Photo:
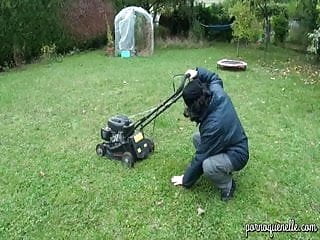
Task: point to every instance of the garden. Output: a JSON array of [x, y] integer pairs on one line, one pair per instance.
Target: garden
[[56, 94]]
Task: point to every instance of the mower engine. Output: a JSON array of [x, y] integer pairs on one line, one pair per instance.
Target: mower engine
[[123, 142]]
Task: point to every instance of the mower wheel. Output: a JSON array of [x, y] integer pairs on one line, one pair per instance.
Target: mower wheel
[[101, 150], [150, 144], [127, 159]]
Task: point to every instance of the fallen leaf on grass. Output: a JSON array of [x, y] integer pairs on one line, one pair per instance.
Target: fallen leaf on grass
[[158, 203], [200, 211]]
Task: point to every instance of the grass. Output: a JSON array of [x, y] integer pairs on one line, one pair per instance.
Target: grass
[[53, 186]]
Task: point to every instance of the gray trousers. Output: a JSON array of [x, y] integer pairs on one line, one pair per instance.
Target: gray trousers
[[218, 168]]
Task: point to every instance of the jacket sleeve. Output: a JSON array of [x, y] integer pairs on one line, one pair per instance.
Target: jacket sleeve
[[211, 144], [209, 77]]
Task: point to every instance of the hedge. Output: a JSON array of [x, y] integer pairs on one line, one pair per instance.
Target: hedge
[[28, 25]]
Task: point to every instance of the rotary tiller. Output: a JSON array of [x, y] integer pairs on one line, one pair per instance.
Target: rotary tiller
[[124, 140]]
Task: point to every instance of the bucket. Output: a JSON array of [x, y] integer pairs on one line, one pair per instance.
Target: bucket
[[125, 54]]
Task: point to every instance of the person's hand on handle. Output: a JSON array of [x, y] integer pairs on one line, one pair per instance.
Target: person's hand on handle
[[177, 180], [191, 73]]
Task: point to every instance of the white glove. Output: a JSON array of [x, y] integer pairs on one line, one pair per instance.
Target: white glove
[[193, 73], [177, 180]]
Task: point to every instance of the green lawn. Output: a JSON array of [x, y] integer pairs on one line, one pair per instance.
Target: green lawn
[[53, 186]]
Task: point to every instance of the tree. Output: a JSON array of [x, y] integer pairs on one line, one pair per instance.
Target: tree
[[246, 27], [280, 25], [308, 13], [154, 6], [314, 46], [266, 9]]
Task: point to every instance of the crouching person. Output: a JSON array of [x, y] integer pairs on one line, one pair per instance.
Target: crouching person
[[221, 143]]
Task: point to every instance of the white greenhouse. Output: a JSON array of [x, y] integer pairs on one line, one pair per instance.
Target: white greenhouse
[[134, 32]]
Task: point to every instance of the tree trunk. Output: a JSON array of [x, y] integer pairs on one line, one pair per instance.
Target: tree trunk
[[238, 46], [192, 12], [267, 31]]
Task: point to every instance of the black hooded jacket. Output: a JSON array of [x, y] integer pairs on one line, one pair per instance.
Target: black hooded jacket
[[220, 131]]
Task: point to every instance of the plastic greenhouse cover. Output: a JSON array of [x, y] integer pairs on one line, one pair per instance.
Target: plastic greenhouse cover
[[124, 28]]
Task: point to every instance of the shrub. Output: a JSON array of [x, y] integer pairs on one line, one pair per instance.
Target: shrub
[[214, 15], [297, 33], [27, 26], [177, 22], [281, 28], [197, 32], [161, 32], [314, 46], [184, 22], [49, 53], [246, 27]]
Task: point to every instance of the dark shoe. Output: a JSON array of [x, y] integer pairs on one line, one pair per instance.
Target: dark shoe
[[226, 195]]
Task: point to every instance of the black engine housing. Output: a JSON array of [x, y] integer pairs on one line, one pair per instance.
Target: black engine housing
[[122, 142]]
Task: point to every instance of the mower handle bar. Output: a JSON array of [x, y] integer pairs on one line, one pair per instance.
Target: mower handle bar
[[144, 121]]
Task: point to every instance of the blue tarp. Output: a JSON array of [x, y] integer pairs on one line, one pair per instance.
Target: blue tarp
[[218, 28]]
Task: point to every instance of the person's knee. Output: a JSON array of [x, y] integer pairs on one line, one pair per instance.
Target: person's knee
[[209, 167]]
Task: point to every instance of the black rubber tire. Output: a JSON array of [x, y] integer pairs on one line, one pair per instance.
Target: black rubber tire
[[127, 159], [101, 150]]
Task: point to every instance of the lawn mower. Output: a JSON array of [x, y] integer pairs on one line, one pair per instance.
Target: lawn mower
[[124, 140]]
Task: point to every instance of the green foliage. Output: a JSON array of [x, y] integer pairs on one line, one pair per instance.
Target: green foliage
[[110, 39], [318, 10], [264, 10], [27, 26], [49, 53], [180, 17], [215, 14], [297, 34], [156, 6], [308, 13], [197, 32], [161, 32], [229, 3], [281, 28], [314, 46], [186, 20], [292, 8], [246, 26]]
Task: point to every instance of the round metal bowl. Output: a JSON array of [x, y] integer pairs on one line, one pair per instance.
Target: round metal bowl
[[228, 64]]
